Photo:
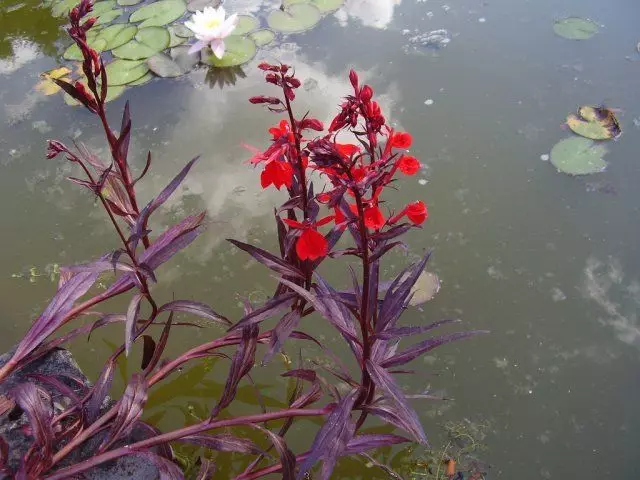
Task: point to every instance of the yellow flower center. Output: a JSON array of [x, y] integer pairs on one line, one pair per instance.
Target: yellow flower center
[[212, 23]]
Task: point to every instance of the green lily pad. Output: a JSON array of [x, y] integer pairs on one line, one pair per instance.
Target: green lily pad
[[262, 37], [596, 123], [578, 156], [102, 7], [162, 65], [63, 7], [148, 41], [575, 28], [113, 93], [128, 3], [246, 24], [181, 31], [74, 53], [325, 6], [239, 50], [159, 13], [174, 39], [117, 35], [147, 77], [109, 16], [295, 18], [122, 72], [182, 57]]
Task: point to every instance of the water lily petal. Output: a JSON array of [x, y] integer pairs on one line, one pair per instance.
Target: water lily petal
[[218, 47], [196, 47], [229, 25]]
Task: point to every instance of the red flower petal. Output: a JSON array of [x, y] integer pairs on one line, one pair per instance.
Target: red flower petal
[[347, 149], [277, 173], [401, 140], [373, 218], [293, 223], [409, 165], [339, 216], [417, 212], [311, 245]]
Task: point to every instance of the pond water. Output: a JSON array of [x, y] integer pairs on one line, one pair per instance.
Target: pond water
[[549, 263]]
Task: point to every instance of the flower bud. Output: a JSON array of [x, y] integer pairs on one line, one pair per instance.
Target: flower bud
[[312, 124], [268, 67], [353, 78], [272, 78], [263, 99], [293, 82], [89, 23], [54, 147], [366, 93]]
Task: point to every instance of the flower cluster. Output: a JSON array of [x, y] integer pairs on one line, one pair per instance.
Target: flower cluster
[[356, 175]]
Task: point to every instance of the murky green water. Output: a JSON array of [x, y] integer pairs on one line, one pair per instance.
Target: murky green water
[[548, 263]]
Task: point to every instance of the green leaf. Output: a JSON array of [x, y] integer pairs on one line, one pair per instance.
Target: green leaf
[[262, 37], [325, 6], [159, 13], [108, 17], [148, 41], [163, 66], [74, 53], [62, 8], [142, 80], [195, 5], [181, 31], [175, 40], [295, 18], [575, 28], [578, 156], [121, 72], [117, 35], [102, 7], [182, 57], [239, 50], [128, 3], [246, 24], [596, 123]]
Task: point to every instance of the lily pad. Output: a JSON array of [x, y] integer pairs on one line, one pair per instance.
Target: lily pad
[[596, 123], [262, 37], [117, 35], [63, 7], [295, 18], [196, 5], [148, 41], [181, 31], [121, 72], [47, 86], [575, 28], [162, 65], [147, 77], [578, 156], [246, 24], [425, 288], [128, 3], [159, 13], [109, 16], [113, 93], [325, 6], [239, 50], [74, 53], [175, 40], [182, 57], [102, 7]]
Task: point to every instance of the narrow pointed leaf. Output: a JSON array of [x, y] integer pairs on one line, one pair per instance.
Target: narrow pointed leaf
[[269, 260], [130, 409], [196, 308], [222, 443], [39, 413], [100, 390], [130, 325], [166, 468], [160, 346], [149, 347], [281, 333], [269, 309], [393, 333], [362, 443]]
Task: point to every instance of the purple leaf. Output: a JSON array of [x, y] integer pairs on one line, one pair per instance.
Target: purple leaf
[[207, 469], [73, 92], [122, 144], [362, 443], [195, 308], [40, 414], [282, 234], [269, 260], [130, 409], [293, 202], [100, 390], [281, 333], [166, 468], [241, 364], [149, 348], [332, 439], [145, 169], [162, 449], [381, 250], [159, 348], [162, 197], [425, 346], [392, 233], [393, 333], [54, 315], [56, 384], [269, 309], [222, 443], [4, 458], [130, 325], [287, 458], [386, 383]]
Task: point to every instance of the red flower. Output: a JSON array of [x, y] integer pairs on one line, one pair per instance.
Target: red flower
[[311, 245], [281, 130], [373, 217], [401, 140], [416, 212], [339, 216], [366, 93], [347, 149], [277, 173], [408, 165]]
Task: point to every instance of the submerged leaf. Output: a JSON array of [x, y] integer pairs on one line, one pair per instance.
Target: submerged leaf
[[578, 156], [162, 65], [575, 28]]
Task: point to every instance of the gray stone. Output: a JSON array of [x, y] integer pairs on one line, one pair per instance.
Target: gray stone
[[60, 364]]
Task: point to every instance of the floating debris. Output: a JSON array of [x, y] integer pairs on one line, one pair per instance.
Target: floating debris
[[596, 123], [428, 101], [435, 39], [604, 187], [544, 157]]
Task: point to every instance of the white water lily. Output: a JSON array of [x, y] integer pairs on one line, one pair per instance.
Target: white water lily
[[211, 28]]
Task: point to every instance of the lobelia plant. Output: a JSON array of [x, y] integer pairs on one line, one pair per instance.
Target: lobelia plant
[[366, 315]]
